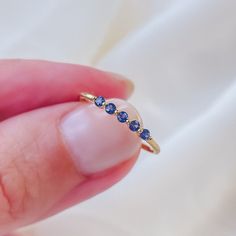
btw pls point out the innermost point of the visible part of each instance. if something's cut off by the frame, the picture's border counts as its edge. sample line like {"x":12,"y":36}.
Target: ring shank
{"x":151,"y":146}
{"x":87,"y":97}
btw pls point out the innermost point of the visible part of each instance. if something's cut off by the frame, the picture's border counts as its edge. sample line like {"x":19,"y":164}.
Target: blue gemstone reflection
{"x":134,"y":125}
{"x":145,"y":134}
{"x":110,"y":108}
{"x":122,"y":116}
{"x":99,"y":101}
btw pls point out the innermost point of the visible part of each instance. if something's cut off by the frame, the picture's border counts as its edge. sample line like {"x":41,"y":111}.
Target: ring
{"x":148,"y":144}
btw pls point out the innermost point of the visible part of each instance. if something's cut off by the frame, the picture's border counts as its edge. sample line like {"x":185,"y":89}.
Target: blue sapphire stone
{"x":99,"y":101}
{"x":110,"y":108}
{"x":134,"y":125}
{"x":145,"y":134}
{"x":122,"y":116}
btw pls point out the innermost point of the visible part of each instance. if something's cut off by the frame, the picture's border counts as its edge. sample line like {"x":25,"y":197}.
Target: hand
{"x":55,"y":151}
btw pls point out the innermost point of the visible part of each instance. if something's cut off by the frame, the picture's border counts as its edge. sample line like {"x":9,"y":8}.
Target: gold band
{"x":148,"y":144}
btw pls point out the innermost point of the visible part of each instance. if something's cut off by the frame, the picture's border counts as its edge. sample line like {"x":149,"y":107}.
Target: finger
{"x":54,"y":157}
{"x":29,"y":84}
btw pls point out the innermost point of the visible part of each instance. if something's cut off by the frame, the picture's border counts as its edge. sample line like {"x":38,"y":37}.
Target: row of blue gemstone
{"x":122,"y":116}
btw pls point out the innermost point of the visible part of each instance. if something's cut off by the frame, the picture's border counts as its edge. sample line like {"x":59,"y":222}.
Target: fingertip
{"x":129,"y":85}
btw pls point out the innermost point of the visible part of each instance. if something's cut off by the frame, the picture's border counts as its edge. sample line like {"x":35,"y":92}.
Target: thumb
{"x":57,"y":156}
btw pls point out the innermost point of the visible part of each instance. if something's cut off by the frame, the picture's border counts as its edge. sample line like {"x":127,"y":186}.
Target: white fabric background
{"x":181,"y":54}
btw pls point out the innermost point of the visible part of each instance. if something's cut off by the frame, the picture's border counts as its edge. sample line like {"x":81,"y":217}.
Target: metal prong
{"x":127,"y":122}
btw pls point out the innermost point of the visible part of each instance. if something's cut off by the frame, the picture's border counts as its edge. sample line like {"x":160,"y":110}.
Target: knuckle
{"x":13,"y":192}
{"x":19,"y":183}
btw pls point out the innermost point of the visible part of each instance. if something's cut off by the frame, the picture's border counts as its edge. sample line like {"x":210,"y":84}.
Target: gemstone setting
{"x":131,"y":120}
{"x":145,"y":134}
{"x":134,"y":125}
{"x":99,"y":101}
{"x":110,"y":108}
{"x":122,"y":116}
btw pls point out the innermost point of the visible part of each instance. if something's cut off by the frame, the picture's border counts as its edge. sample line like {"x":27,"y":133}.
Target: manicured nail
{"x":129,"y":84}
{"x":96,"y":140}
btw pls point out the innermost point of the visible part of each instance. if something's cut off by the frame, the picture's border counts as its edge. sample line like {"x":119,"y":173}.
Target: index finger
{"x":30,"y":84}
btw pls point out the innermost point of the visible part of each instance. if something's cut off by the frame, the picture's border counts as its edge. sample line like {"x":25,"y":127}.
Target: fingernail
{"x":129,"y":85}
{"x":96,"y":140}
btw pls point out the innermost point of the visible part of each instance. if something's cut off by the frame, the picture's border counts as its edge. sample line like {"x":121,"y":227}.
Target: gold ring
{"x":148,"y":144}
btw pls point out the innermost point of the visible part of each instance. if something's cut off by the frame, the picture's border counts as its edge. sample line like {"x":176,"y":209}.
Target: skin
{"x":43,"y":170}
